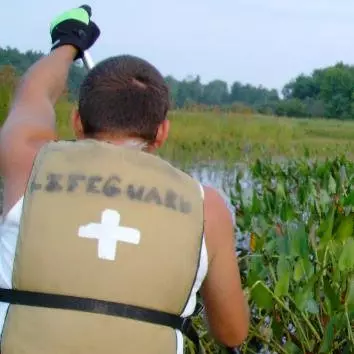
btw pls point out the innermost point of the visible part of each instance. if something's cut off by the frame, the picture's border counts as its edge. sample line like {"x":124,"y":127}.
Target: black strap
{"x":66,"y":302}
{"x":232,"y":350}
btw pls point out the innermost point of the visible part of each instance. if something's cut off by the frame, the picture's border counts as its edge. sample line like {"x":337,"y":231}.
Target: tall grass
{"x":230,"y":137}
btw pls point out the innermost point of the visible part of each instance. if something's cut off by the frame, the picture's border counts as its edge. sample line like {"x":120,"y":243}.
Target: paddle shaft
{"x":87,"y":60}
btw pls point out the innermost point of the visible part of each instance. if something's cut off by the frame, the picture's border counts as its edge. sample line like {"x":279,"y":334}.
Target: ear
{"x":161,"y":136}
{"x":76,"y":124}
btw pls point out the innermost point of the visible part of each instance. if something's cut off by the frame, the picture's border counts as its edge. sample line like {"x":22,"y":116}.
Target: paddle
{"x":87,"y":60}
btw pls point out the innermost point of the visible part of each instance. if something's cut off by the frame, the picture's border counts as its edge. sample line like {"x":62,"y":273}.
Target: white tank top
{"x":9,"y":231}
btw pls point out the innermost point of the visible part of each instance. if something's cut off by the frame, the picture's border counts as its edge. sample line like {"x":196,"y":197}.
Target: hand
{"x":74,"y":27}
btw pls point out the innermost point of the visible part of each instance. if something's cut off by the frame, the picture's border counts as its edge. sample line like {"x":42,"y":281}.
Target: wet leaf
{"x":299,"y":240}
{"x":350,"y":293}
{"x":343,"y":178}
{"x":332,"y":297}
{"x":278,"y":329}
{"x":282,"y":285}
{"x":241,"y":222}
{"x":291,"y":348}
{"x":256,"y":204}
{"x":349,"y":200}
{"x":326,"y":228}
{"x":325,"y":199}
{"x":303,"y":270}
{"x":346,"y":259}
{"x":348,"y":349}
{"x":301,"y":298}
{"x":312,"y":307}
{"x":332,"y":185}
{"x":256,"y":270}
{"x":280,"y":190}
{"x":283,"y":266}
{"x":328,"y":338}
{"x":247,"y":219}
{"x":262,"y":297}
{"x":299,"y":272}
{"x":260,"y":226}
{"x":345,"y":228}
{"x":283,"y":245}
{"x":247,"y":197}
{"x":270,"y":247}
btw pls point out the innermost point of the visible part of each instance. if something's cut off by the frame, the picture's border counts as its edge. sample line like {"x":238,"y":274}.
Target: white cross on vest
{"x":108,"y":233}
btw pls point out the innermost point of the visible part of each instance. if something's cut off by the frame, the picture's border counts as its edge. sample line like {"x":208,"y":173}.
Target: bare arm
{"x":31,"y":120}
{"x":222,"y":294}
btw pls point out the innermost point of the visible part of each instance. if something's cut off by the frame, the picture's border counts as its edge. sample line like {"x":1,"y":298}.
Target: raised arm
{"x":225,"y":304}
{"x":31,"y":120}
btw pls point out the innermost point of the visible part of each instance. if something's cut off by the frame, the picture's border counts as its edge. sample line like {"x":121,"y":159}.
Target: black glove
{"x":74,"y":27}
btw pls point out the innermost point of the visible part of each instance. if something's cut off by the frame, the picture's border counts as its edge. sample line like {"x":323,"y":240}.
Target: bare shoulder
{"x":215,"y":204}
{"x":218,"y":221}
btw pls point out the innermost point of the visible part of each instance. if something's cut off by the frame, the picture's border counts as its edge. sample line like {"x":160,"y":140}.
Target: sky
{"x":261,"y":42}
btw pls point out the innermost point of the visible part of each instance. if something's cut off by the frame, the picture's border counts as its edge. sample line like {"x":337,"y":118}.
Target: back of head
{"x":123,"y":96}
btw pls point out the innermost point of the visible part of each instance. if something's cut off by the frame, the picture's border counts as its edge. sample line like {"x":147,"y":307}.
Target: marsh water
{"x":223,"y":179}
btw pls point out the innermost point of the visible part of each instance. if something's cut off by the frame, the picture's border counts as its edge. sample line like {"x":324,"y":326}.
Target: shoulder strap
{"x":38,"y":299}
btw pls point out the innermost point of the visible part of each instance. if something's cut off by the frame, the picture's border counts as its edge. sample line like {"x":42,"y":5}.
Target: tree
{"x":215,"y":93}
{"x":22,"y":61}
{"x":326,"y":92}
{"x":8,"y":80}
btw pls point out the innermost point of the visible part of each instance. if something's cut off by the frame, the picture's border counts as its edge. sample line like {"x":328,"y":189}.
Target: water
{"x":223,"y":179}
{"x":218,"y":177}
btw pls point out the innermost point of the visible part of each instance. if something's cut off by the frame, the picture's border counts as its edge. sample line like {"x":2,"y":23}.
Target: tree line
{"x":326,"y":92}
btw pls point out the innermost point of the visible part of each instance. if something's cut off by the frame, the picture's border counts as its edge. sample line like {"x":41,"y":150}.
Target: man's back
{"x":129,"y":231}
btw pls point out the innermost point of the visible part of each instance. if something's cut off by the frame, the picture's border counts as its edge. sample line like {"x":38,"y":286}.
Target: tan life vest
{"x":110,"y":223}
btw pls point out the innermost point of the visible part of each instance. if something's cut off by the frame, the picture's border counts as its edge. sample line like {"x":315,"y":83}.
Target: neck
{"x":135,"y":143}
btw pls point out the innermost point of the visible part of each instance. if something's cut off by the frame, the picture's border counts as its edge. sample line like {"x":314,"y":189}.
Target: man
{"x":112,"y":243}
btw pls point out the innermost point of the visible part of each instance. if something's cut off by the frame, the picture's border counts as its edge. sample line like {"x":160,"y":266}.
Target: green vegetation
{"x":298,"y":270}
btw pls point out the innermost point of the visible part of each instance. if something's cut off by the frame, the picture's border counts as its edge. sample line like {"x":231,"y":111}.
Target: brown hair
{"x":123,"y":95}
